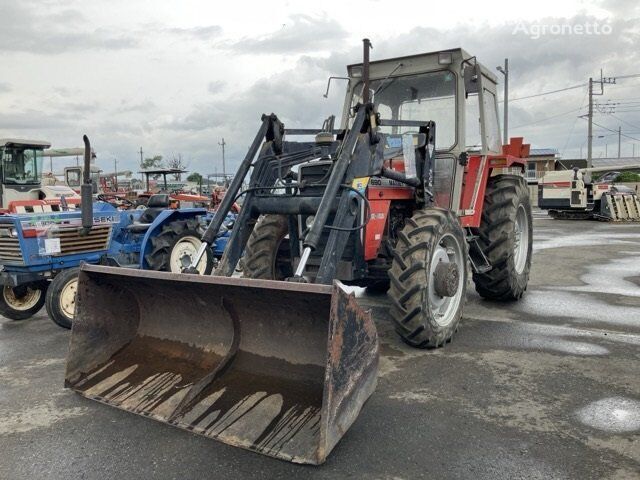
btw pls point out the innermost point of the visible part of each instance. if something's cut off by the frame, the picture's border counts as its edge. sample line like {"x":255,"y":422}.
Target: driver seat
{"x":156,"y":204}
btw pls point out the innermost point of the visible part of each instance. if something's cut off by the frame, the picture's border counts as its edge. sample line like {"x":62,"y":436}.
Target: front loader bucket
{"x":279,"y":368}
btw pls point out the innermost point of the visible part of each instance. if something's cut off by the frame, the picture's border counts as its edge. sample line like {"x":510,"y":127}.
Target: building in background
{"x":540,"y":160}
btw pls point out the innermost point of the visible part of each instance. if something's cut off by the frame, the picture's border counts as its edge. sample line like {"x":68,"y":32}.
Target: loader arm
{"x":269,"y":168}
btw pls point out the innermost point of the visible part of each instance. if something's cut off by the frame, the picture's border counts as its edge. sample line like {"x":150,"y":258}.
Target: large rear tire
{"x":61,"y":297}
{"x":428,"y":278}
{"x":505,"y":236}
{"x":20,"y":303}
{"x":267,"y":255}
{"x":175,"y":246}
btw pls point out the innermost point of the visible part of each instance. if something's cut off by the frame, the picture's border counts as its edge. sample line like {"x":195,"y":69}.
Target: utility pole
{"x":224,"y":168}
{"x":141,"y":168}
{"x":603,"y":81}
{"x":590,"y":132}
{"x":115,"y":173}
{"x":619,"y":137}
{"x":505,"y":72}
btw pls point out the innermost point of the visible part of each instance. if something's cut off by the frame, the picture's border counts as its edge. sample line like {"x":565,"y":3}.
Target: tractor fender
{"x":161,"y":220}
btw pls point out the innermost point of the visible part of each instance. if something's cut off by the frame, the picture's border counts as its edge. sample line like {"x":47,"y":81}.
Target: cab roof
{"x":459,"y":51}
{"x":17,"y":142}
{"x":456,"y":53}
{"x":162,"y":171}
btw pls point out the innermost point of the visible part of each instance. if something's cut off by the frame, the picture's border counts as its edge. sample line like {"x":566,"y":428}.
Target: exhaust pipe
{"x":86,"y":191}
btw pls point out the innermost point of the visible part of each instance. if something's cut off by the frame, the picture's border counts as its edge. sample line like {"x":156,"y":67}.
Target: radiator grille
{"x":71,"y":242}
{"x":9,"y":247}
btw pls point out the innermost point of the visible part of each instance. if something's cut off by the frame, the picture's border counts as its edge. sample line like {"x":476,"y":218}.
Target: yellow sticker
{"x":360,"y":184}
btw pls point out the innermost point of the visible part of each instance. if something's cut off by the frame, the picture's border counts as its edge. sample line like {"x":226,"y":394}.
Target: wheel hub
{"x":21,"y":298}
{"x":521,"y":240}
{"x":446,"y":278}
{"x":183,"y":254}
{"x":68,"y":298}
{"x":185,"y":260}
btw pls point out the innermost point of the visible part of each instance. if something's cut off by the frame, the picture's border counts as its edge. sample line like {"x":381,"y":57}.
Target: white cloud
{"x":173,"y":81}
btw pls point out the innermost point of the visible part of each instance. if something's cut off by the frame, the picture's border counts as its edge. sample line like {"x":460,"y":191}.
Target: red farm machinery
{"x":413,"y":193}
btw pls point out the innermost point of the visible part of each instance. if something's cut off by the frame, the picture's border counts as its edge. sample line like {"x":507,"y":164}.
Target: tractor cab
{"x":21,"y":165}
{"x":73,"y":177}
{"x":449,"y":88}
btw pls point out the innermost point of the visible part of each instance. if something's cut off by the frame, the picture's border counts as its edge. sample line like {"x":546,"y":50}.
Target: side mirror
{"x":471,"y":79}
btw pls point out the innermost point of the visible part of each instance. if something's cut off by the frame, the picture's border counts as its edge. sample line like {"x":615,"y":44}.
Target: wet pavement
{"x":548,"y":387}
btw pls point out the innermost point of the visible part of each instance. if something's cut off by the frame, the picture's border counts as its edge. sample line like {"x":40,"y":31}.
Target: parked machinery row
{"x":43,"y":239}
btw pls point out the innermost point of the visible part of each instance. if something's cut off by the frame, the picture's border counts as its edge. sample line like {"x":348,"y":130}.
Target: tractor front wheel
{"x":429,"y":278}
{"x":61,"y":297}
{"x":175,"y":246}
{"x":267,"y":255}
{"x":505,"y":236}
{"x":24,"y":301}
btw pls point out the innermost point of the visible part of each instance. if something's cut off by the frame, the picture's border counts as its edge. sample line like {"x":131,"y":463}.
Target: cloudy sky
{"x":176,"y":77}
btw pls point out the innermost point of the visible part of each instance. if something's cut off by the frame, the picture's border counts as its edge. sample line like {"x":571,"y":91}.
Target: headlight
{"x":13,"y":232}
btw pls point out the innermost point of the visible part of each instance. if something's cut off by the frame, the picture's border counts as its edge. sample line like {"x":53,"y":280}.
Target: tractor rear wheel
{"x":24,"y":301}
{"x":505,"y":236}
{"x":429,"y":278}
{"x":267,"y":255}
{"x":175,"y":246}
{"x":61,"y":297}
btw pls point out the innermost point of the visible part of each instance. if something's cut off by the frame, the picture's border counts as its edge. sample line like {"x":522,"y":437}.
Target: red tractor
{"x":398,"y":198}
{"x":411,"y":193}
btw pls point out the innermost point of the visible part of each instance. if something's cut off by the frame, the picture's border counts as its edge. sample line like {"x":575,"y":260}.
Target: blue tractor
{"x":44,"y":241}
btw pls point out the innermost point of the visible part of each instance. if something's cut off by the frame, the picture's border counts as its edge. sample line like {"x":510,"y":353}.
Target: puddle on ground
{"x":615,"y":414}
{"x":611,"y":278}
{"x":585,"y":240}
{"x":548,"y":303}
{"x":566,"y":346}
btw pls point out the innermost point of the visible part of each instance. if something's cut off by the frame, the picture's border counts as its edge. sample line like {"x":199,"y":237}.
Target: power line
{"x":616,"y":132}
{"x":548,"y":93}
{"x":548,"y":118}
{"x":633,"y":75}
{"x":624,"y":121}
{"x":575,"y":120}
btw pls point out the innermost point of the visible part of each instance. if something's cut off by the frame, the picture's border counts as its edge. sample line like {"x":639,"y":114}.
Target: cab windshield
{"x":423,"y":97}
{"x":21,"y":166}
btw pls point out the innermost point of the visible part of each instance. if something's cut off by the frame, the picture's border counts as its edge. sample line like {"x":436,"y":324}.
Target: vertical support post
{"x":141,"y":167}
{"x":619,"y":140}
{"x":506,"y":101}
{"x":224,"y":168}
{"x":366,"y":43}
{"x":590,"y":128}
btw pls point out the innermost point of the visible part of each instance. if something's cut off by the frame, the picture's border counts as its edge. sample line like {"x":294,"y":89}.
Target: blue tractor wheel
{"x":61,"y":297}
{"x":175,"y":246}
{"x":23,"y":301}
